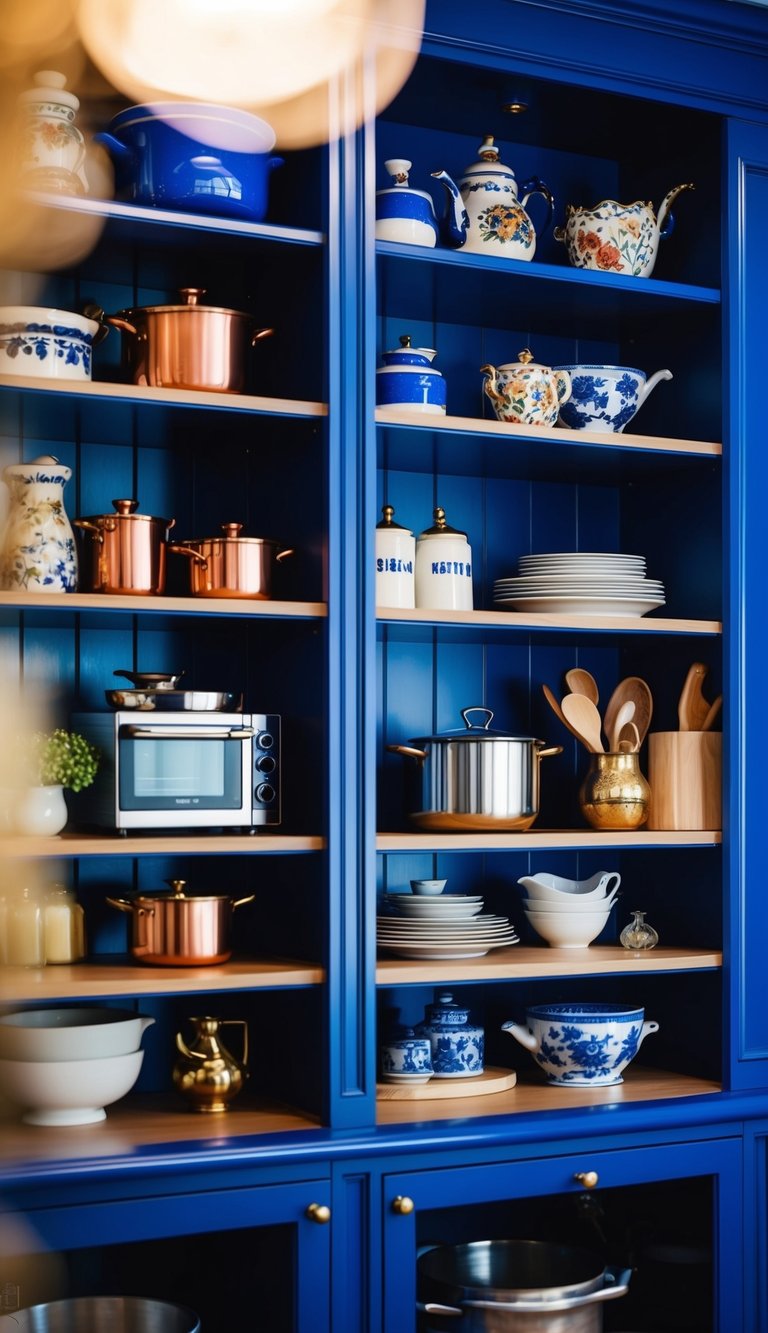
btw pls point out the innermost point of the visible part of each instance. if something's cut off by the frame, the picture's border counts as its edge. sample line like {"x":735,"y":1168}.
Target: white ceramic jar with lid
{"x":395,"y":560}
{"x":443,"y":567}
{"x":52,"y":147}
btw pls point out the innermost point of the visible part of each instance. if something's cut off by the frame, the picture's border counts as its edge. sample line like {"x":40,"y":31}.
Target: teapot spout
{"x":650,"y":384}
{"x":665,"y":217}
{"x":456,"y":219}
{"x":522,"y":1035}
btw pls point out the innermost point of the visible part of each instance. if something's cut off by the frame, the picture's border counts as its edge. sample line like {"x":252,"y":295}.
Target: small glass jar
{"x":25,"y":931}
{"x":63,"y":926}
{"x":638,"y":935}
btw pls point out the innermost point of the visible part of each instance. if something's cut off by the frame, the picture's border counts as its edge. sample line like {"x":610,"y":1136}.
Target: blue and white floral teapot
{"x":496,"y":221}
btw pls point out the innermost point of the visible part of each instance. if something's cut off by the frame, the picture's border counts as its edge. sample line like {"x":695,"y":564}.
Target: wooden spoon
{"x":712,"y":714}
{"x":629,"y":739}
{"x":557,"y":710}
{"x":634,"y":688}
{"x":583,"y":682}
{"x":692,"y":707}
{"x":584,"y":719}
{"x":623,"y":716}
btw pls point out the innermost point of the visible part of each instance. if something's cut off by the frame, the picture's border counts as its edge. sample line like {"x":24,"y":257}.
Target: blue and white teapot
{"x":485,"y":210}
{"x":408,"y":216}
{"x":407,"y":380}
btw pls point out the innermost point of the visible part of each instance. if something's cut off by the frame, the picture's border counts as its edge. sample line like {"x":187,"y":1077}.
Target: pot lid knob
{"x":178,"y":887}
{"x":192,"y":294}
{"x":387,"y":521}
{"x":488,"y":152}
{"x":125,"y":506}
{"x":405,"y":340}
{"x":398,"y":168}
{"x":525,"y":356}
{"x":440,"y":527}
{"x":231,"y":529}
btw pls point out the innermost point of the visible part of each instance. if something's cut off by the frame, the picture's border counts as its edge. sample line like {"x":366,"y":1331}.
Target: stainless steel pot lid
{"x":504,"y":1270}
{"x":176,"y":701}
{"x":476,"y":731}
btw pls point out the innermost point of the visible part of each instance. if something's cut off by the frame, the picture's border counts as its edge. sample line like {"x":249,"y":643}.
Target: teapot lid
{"x":440,"y":528}
{"x":50,"y":88}
{"x":387,"y":521}
{"x":408,"y":355}
{"x":398,"y":169}
{"x":525,"y":361}
{"x":488,"y":158}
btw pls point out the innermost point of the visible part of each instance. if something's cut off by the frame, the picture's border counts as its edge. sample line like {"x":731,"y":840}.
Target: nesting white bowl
{"x":68,"y":1092}
{"x":553,"y":888}
{"x":569,"y":908}
{"x":70,"y":1034}
{"x":568,"y":931}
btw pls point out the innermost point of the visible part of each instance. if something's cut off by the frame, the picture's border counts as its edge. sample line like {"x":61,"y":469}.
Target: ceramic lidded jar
{"x":525,"y":392}
{"x":443,"y":567}
{"x":402,"y":213}
{"x":52,"y":149}
{"x":39,"y":548}
{"x":458,"y":1047}
{"x":406,"y":1059}
{"x":395,"y":561}
{"x":407,"y":381}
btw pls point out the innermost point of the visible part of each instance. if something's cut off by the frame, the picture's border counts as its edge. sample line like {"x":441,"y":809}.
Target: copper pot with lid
{"x":177,"y":930}
{"x":187,"y":346}
{"x":123,"y":552}
{"x":231,"y":565}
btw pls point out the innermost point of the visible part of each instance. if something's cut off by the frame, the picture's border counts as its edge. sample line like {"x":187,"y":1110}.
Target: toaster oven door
{"x":184,"y":775}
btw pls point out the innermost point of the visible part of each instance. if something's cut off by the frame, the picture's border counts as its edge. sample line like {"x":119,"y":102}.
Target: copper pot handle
{"x":89,"y":527}
{"x":553,"y":749}
{"x":118,"y":323}
{"x":190,"y":554}
{"x":408,"y":750}
{"x":260,"y":333}
{"x":240,"y":902}
{"x":283,"y":555}
{"x":123,"y":905}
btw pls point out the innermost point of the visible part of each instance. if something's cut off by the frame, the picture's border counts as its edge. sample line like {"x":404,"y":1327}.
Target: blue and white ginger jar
{"x":39,"y":548}
{"x":407,"y":380}
{"x":582,"y":1045}
{"x":458,"y":1048}
{"x":406,"y":1059}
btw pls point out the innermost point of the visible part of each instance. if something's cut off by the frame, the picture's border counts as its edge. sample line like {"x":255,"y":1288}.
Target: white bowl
{"x":568,"y":932}
{"x":552,"y":888}
{"x":45,"y":343}
{"x":70,"y":1034}
{"x":68,"y":1092}
{"x":428,"y":886}
{"x":567,"y":906}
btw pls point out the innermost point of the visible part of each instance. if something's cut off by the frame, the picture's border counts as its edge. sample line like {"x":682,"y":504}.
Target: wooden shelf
{"x":510,"y":433}
{"x":107,"y":978}
{"x":160,"y":844}
{"x":523,"y":621}
{"x":545,"y":840}
{"x":161,"y":605}
{"x":146,"y":396}
{"x":145,"y":1121}
{"x":533,"y":1095}
{"x":517,"y":963}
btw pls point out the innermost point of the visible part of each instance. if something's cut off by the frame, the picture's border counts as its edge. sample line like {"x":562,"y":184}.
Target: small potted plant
{"x":55,"y":760}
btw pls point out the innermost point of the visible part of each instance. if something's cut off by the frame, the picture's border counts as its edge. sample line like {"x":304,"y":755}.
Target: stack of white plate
{"x":580,"y":582}
{"x":453,"y":926}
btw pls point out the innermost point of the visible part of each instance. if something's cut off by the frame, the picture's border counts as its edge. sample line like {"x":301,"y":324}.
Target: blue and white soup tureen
{"x":457,"y":1046}
{"x":407,"y":380}
{"x":582,"y":1045}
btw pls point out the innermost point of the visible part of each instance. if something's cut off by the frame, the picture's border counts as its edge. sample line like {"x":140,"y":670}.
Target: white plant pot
{"x":41,"y":811}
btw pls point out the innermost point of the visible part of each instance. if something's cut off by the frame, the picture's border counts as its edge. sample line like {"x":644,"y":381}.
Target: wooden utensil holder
{"x":685,"y":776}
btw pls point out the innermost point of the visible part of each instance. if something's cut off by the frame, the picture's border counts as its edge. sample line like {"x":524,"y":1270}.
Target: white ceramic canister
{"x":408,"y":382}
{"x":39,"y":548}
{"x":443,"y":568}
{"x":395,"y":562}
{"x":52,"y":147}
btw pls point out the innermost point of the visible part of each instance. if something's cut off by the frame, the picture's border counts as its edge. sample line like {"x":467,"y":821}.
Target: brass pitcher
{"x":614,"y":793}
{"x":207,"y":1074}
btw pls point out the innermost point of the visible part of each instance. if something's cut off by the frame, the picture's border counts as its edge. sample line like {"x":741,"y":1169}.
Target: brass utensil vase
{"x":614,"y":793}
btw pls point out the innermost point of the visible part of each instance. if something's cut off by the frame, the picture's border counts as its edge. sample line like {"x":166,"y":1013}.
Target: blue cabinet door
{"x":449,"y":1192}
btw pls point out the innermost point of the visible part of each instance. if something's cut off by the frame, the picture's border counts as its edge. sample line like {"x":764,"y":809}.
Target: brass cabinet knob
{"x":319,"y":1212}
{"x":587,"y":1178}
{"x":403,"y":1205}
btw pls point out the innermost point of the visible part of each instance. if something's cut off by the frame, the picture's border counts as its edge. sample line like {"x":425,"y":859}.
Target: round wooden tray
{"x":492,"y":1080}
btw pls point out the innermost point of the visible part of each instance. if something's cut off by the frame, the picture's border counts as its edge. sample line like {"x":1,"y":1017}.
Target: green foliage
{"x":63,"y":758}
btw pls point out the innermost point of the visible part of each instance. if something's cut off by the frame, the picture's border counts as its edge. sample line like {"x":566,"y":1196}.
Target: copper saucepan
{"x":173,"y":930}
{"x":123,"y":552}
{"x":189,"y":346}
{"x":231,"y":565}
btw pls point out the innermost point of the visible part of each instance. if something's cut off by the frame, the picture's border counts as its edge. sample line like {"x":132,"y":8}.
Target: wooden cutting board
{"x":492,"y":1080}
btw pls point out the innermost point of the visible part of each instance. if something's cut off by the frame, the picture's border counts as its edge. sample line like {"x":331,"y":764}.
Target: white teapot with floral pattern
{"x":485,"y":213}
{"x":526,"y":393}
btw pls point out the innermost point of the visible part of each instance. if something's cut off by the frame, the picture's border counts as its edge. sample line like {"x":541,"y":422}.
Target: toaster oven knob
{"x":265,"y":740}
{"x":266,"y":763}
{"x":265,"y":793}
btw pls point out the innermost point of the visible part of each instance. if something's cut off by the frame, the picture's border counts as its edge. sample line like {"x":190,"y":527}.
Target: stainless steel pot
{"x":516,"y":1286}
{"x":176,"y":931}
{"x":189,"y":346}
{"x":123,"y":552}
{"x":231,"y":565}
{"x":156,"y":691}
{"x":475,"y":778}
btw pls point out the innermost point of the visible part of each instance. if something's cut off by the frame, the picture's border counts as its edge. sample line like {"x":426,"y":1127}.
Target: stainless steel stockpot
{"x":475,"y":778}
{"x":516,"y":1286}
{"x":124,"y":552}
{"x":174,"y":930}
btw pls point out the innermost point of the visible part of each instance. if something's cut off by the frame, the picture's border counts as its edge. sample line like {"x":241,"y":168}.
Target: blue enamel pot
{"x":192,"y":156}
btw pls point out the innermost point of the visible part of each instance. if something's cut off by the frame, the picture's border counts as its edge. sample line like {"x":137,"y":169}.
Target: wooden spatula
{"x":583,"y":682}
{"x":583,"y":719}
{"x":692,"y":707}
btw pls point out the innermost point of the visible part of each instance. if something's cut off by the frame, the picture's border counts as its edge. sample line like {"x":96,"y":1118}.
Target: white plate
{"x":424,"y":901}
{"x":465,"y":914}
{"x":621,"y":557}
{"x":441,"y":951}
{"x":580,"y":606}
{"x":519,"y":580}
{"x":579,"y":588}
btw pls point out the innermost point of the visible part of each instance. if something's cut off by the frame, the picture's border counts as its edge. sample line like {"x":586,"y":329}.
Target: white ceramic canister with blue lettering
{"x":458,"y":1047}
{"x":395,"y":562}
{"x":407,"y":380}
{"x":443,"y":568}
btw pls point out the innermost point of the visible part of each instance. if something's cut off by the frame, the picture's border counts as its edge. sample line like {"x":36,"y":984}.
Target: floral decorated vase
{"x":582,"y":1045}
{"x":525,"y":393}
{"x":617,"y":238}
{"x":52,"y":147}
{"x":458,"y":1047}
{"x":605,"y":398}
{"x":39,"y":549}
